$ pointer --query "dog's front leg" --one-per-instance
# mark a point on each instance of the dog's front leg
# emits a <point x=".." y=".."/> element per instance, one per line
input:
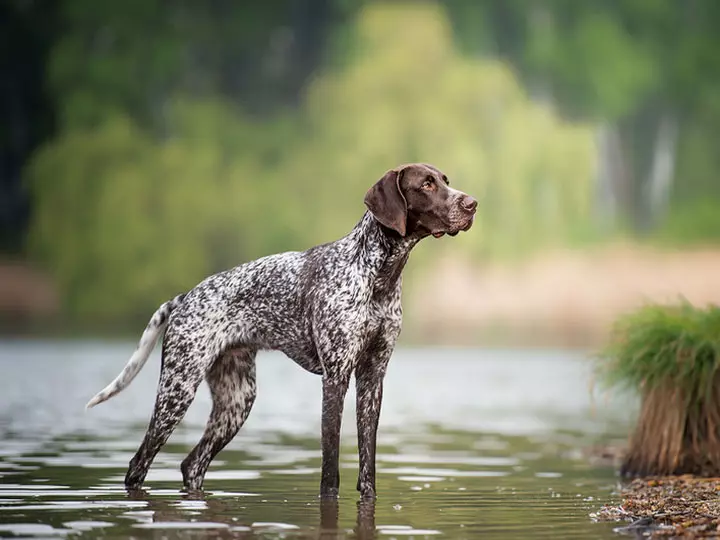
<point x="369" y="382"/>
<point x="334" y="389"/>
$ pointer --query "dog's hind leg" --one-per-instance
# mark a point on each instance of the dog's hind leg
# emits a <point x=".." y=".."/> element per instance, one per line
<point x="182" y="372"/>
<point x="232" y="386"/>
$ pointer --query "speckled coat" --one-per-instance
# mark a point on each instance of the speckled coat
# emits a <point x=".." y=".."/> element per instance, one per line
<point x="334" y="309"/>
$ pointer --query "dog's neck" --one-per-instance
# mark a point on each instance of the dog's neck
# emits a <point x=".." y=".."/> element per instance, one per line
<point x="382" y="249"/>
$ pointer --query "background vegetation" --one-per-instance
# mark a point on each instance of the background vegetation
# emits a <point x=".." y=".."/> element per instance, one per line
<point x="147" y="144"/>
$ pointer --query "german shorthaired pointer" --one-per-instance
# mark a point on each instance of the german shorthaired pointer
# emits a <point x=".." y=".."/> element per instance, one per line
<point x="334" y="309"/>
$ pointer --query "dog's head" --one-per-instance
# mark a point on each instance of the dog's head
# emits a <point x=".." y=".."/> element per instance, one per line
<point x="417" y="200"/>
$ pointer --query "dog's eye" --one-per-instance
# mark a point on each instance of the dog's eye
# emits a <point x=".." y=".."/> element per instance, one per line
<point x="428" y="183"/>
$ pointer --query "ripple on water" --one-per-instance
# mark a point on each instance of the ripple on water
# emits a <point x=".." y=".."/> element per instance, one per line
<point x="444" y="473"/>
<point x="172" y="475"/>
<point x="296" y="470"/>
<point x="87" y="525"/>
<point x="72" y="506"/>
<point x="449" y="459"/>
<point x="405" y="530"/>
<point x="545" y="474"/>
<point x="277" y="526"/>
<point x="421" y="478"/>
<point x="482" y="460"/>
<point x="182" y="525"/>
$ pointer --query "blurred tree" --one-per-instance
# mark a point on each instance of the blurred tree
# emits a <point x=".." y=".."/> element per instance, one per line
<point x="27" y="31"/>
<point x="643" y="68"/>
<point x="644" y="71"/>
<point x="125" y="219"/>
<point x="84" y="61"/>
<point x="132" y="56"/>
<point x="531" y="172"/>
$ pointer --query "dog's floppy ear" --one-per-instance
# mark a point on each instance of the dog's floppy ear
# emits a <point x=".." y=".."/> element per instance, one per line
<point x="387" y="203"/>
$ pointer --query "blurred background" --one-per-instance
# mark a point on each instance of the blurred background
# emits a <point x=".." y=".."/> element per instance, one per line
<point x="145" y="144"/>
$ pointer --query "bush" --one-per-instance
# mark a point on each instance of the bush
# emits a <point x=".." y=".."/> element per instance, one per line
<point x="670" y="355"/>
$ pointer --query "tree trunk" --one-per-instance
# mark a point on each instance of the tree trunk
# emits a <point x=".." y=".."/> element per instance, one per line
<point x="635" y="171"/>
<point x="606" y="173"/>
<point x="660" y="178"/>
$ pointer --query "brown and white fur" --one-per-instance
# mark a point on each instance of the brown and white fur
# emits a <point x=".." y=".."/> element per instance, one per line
<point x="334" y="309"/>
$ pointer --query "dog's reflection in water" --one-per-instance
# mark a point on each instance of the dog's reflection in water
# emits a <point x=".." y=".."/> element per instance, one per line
<point x="364" y="525"/>
<point x="230" y="512"/>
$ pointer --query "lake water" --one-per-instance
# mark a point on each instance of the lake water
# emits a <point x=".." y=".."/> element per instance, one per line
<point x="472" y="443"/>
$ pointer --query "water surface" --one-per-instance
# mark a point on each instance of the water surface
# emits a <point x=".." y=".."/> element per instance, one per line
<point x="473" y="443"/>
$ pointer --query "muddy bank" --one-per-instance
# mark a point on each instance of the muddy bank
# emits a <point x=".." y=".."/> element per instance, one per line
<point x="680" y="507"/>
<point x="26" y="291"/>
<point x="567" y="298"/>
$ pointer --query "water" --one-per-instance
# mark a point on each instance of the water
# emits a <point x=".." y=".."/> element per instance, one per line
<point x="472" y="443"/>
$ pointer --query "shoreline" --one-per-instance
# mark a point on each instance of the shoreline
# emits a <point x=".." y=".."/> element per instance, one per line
<point x="564" y="299"/>
<point x="669" y="506"/>
<point x="567" y="298"/>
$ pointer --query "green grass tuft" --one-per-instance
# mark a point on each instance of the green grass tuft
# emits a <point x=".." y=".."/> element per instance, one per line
<point x="664" y="347"/>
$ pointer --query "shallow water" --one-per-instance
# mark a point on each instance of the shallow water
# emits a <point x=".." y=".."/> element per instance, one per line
<point x="472" y="443"/>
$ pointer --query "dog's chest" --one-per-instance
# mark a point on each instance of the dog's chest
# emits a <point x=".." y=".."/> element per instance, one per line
<point x="382" y="313"/>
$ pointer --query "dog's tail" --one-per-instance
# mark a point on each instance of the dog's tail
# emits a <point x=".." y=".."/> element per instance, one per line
<point x="155" y="327"/>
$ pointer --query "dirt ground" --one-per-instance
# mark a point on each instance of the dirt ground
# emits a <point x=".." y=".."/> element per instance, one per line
<point x="25" y="291"/>
<point x="677" y="507"/>
<point x="567" y="298"/>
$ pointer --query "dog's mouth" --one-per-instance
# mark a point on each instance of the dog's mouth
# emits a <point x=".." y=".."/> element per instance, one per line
<point x="453" y="232"/>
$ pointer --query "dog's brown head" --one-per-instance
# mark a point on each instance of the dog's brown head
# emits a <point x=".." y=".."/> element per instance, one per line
<point x="417" y="199"/>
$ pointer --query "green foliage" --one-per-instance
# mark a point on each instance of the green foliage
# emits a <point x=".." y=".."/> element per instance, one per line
<point x="531" y="172"/>
<point x="692" y="223"/>
<point x="124" y="221"/>
<point x="661" y="347"/>
<point x="600" y="59"/>
<point x="670" y="356"/>
<point x="125" y="218"/>
<point x="699" y="160"/>
<point x="131" y="57"/>
<point x="625" y="64"/>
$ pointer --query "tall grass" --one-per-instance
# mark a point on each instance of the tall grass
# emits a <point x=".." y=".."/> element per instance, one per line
<point x="670" y="355"/>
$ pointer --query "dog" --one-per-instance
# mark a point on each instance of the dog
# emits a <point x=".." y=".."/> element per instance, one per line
<point x="334" y="309"/>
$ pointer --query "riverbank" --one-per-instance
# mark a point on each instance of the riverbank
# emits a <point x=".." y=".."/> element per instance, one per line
<point x="679" y="507"/>
<point x="563" y="298"/>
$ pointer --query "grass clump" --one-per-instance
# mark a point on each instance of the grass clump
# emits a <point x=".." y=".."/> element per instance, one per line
<point x="670" y="356"/>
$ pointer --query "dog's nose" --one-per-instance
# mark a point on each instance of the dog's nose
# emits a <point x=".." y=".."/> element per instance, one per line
<point x="469" y="203"/>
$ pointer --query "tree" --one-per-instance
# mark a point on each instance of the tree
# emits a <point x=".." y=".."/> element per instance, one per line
<point x="126" y="218"/>
<point x="27" y="30"/>
<point x="530" y="171"/>
<point x="644" y="69"/>
<point x="134" y="56"/>
<point x="123" y="221"/>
